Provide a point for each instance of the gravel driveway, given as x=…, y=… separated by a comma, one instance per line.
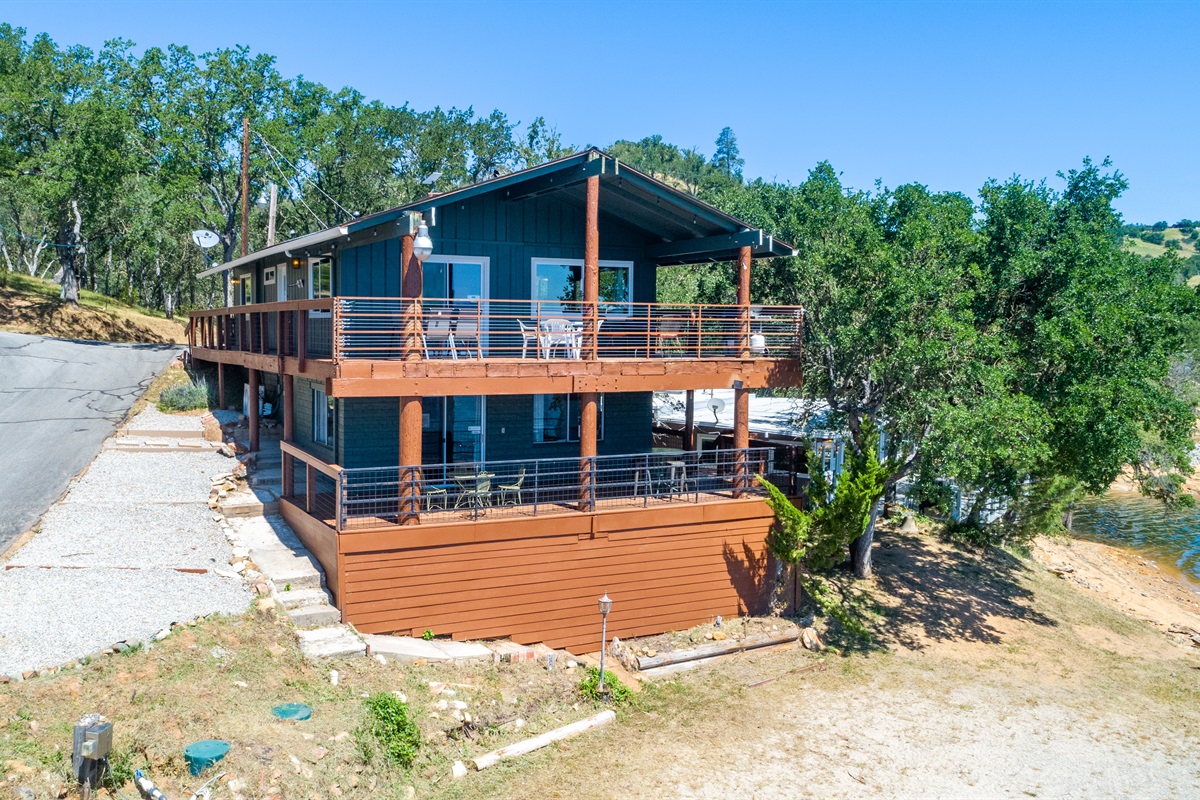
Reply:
x=106, y=565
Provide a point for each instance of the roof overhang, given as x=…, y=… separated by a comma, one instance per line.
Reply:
x=687, y=230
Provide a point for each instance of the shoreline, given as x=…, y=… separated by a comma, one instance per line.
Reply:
x=1135, y=584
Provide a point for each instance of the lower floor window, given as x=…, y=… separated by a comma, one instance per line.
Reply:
x=323, y=423
x=556, y=418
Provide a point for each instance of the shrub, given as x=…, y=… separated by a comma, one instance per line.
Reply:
x=185, y=397
x=389, y=727
x=589, y=687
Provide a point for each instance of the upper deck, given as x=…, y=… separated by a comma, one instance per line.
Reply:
x=383, y=347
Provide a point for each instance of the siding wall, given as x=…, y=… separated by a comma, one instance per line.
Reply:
x=303, y=421
x=538, y=580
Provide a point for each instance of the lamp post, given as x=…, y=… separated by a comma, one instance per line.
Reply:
x=605, y=607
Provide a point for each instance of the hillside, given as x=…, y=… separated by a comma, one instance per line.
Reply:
x=1144, y=248
x=31, y=305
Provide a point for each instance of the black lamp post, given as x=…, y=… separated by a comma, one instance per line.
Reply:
x=605, y=607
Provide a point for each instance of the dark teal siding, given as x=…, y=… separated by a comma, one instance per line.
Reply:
x=370, y=431
x=303, y=421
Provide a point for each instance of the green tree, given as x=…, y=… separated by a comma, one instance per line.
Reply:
x=727, y=159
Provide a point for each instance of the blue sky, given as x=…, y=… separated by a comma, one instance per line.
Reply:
x=947, y=94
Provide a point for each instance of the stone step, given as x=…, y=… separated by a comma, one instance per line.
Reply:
x=258, y=502
x=154, y=434
x=315, y=616
x=301, y=598
x=337, y=641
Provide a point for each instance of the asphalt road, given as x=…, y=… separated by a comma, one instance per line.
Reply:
x=59, y=400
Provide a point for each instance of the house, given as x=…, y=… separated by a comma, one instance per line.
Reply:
x=465, y=384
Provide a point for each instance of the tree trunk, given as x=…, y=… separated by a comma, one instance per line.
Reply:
x=69, y=239
x=860, y=548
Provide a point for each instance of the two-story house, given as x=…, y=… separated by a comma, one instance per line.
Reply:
x=466, y=387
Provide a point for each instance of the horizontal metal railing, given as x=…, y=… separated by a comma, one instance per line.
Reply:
x=349, y=328
x=396, y=328
x=511, y=489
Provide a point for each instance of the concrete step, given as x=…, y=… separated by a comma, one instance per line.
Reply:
x=409, y=649
x=301, y=598
x=289, y=571
x=266, y=477
x=266, y=533
x=337, y=641
x=315, y=616
x=257, y=502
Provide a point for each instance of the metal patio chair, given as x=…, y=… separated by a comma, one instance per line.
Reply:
x=512, y=489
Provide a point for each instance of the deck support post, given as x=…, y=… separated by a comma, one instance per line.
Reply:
x=220, y=385
x=741, y=395
x=287, y=464
x=411, y=411
x=590, y=401
x=254, y=421
x=689, y=421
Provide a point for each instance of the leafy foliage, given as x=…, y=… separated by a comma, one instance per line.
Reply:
x=589, y=687
x=388, y=727
x=184, y=397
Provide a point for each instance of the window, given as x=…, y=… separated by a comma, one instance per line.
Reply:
x=320, y=282
x=561, y=279
x=269, y=276
x=323, y=421
x=556, y=418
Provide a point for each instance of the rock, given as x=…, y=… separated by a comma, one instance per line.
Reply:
x=25, y=793
x=811, y=640
x=164, y=633
x=459, y=770
x=341, y=736
x=403, y=697
x=720, y=636
x=241, y=684
x=5, y=679
x=266, y=604
x=33, y=673
x=236, y=785
x=410, y=792
x=381, y=659
x=442, y=705
x=909, y=525
x=226, y=451
x=317, y=754
x=120, y=647
x=651, y=653
x=459, y=704
x=333, y=677
x=708, y=635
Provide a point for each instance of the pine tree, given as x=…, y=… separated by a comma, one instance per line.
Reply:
x=728, y=158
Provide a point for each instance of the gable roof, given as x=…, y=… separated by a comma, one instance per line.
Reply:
x=688, y=230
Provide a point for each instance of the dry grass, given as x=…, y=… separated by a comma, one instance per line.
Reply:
x=960, y=638
x=30, y=305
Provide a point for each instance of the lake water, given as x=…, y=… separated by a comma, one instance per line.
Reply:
x=1128, y=519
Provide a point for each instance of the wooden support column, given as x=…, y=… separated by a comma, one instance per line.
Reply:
x=287, y=464
x=689, y=421
x=591, y=270
x=411, y=411
x=741, y=396
x=588, y=418
x=220, y=385
x=254, y=421
x=589, y=401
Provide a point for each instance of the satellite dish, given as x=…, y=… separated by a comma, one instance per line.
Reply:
x=205, y=239
x=717, y=405
x=432, y=179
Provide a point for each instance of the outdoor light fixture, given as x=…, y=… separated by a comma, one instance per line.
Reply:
x=422, y=245
x=605, y=607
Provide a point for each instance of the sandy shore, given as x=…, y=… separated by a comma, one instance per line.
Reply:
x=1138, y=587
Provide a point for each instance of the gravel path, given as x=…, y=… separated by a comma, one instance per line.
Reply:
x=115, y=546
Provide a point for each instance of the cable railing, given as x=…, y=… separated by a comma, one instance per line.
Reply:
x=365, y=328
x=490, y=490
x=399, y=328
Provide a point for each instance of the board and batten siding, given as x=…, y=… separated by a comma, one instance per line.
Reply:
x=303, y=422
x=369, y=430
x=537, y=580
x=510, y=235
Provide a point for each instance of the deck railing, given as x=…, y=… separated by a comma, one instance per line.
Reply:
x=350, y=328
x=512, y=489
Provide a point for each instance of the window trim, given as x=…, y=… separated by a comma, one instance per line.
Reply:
x=625, y=306
x=321, y=411
x=315, y=313
x=570, y=426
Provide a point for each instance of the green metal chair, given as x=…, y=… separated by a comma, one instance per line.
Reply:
x=513, y=489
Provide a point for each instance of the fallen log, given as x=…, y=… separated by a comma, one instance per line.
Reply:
x=537, y=742
x=719, y=648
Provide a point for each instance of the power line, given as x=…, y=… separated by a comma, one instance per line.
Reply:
x=302, y=173
x=299, y=196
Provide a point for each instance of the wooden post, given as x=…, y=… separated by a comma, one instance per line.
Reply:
x=287, y=483
x=245, y=186
x=254, y=411
x=689, y=421
x=741, y=396
x=591, y=269
x=588, y=416
x=411, y=411
x=220, y=385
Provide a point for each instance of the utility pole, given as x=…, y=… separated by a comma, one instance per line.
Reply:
x=245, y=186
x=271, y=214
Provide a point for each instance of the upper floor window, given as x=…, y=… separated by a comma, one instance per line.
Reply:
x=562, y=279
x=320, y=281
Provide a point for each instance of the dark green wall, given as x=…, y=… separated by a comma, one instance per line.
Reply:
x=303, y=421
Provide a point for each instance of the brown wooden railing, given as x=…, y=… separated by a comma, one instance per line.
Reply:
x=319, y=488
x=364, y=328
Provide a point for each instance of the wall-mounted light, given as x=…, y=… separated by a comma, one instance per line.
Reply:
x=297, y=263
x=422, y=245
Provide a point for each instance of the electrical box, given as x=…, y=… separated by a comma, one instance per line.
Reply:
x=97, y=742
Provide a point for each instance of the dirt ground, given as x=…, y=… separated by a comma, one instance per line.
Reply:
x=987, y=676
x=32, y=306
